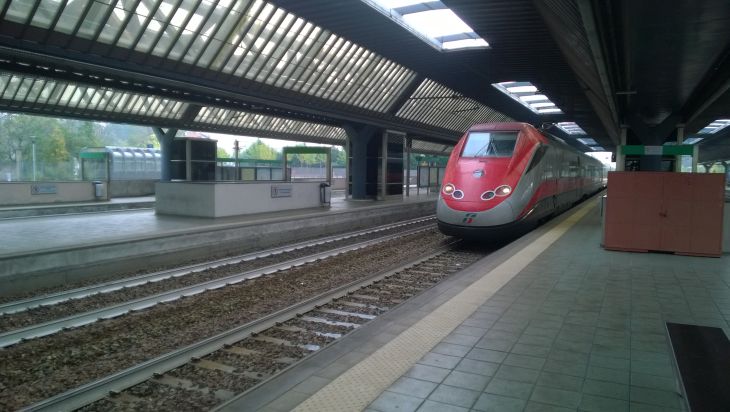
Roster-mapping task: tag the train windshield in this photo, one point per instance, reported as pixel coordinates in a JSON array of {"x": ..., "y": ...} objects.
[{"x": 489, "y": 144}]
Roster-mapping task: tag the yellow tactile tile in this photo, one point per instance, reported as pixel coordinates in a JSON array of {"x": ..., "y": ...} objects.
[{"x": 360, "y": 385}]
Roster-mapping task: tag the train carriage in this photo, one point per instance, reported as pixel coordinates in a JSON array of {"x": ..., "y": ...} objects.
[{"x": 505, "y": 177}]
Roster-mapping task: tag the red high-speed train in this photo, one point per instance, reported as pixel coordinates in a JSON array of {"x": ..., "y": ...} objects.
[{"x": 503, "y": 177}]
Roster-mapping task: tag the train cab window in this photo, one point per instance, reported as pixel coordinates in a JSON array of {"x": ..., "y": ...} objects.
[{"x": 490, "y": 144}]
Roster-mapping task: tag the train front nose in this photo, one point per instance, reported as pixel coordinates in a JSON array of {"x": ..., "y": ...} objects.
[{"x": 474, "y": 214}]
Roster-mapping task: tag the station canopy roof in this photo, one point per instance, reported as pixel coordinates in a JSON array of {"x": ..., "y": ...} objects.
[
  {"x": 307, "y": 69},
  {"x": 244, "y": 43}
]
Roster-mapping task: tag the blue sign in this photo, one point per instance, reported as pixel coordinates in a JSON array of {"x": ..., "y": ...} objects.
[
  {"x": 43, "y": 189},
  {"x": 281, "y": 190}
]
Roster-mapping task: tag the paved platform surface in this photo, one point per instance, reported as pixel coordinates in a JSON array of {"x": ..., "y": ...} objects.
[
  {"x": 52, "y": 209},
  {"x": 550, "y": 323},
  {"x": 27, "y": 235}
]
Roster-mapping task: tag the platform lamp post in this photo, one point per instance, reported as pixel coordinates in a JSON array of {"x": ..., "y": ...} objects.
[
  {"x": 32, "y": 141},
  {"x": 236, "y": 148}
]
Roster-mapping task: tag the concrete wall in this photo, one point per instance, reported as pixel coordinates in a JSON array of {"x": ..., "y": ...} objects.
[
  {"x": 220, "y": 199},
  {"x": 339, "y": 183},
  {"x": 34, "y": 193},
  {"x": 131, "y": 188}
]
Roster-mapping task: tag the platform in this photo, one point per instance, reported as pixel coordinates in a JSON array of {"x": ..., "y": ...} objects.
[
  {"x": 551, "y": 322},
  {"x": 50, "y": 250},
  {"x": 116, "y": 204}
]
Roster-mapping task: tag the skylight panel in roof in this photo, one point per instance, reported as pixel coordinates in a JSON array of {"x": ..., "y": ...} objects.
[
  {"x": 570, "y": 128},
  {"x": 693, "y": 140},
  {"x": 715, "y": 126},
  {"x": 588, "y": 141},
  {"x": 270, "y": 126},
  {"x": 534, "y": 98},
  {"x": 464, "y": 44},
  {"x": 431, "y": 21},
  {"x": 529, "y": 96}
]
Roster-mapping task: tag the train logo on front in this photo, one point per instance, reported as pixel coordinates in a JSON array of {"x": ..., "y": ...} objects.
[
  {"x": 478, "y": 173},
  {"x": 468, "y": 218}
]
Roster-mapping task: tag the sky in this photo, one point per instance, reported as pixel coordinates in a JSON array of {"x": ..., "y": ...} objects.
[
  {"x": 226, "y": 141},
  {"x": 604, "y": 157}
]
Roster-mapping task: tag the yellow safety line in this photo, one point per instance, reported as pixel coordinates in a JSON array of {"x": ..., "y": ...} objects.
[{"x": 359, "y": 386}]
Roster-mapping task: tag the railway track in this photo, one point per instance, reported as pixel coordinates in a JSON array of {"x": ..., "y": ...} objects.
[
  {"x": 158, "y": 276},
  {"x": 142, "y": 299},
  {"x": 212, "y": 371},
  {"x": 43, "y": 368}
]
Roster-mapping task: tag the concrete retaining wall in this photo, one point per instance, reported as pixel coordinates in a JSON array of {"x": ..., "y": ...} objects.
[
  {"x": 35, "y": 193},
  {"x": 131, "y": 188},
  {"x": 221, "y": 199}
]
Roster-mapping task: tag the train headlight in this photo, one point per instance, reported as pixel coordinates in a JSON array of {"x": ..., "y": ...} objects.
[
  {"x": 488, "y": 195},
  {"x": 458, "y": 194},
  {"x": 449, "y": 189},
  {"x": 503, "y": 190}
]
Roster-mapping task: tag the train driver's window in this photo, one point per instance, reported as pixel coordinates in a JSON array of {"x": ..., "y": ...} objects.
[{"x": 490, "y": 144}]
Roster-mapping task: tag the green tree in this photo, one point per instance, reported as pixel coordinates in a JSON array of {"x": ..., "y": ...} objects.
[
  {"x": 19, "y": 133},
  {"x": 222, "y": 154},
  {"x": 125, "y": 135},
  {"x": 339, "y": 157},
  {"x": 80, "y": 134},
  {"x": 55, "y": 163},
  {"x": 260, "y": 150}
]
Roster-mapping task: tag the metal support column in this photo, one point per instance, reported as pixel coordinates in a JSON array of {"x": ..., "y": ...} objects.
[
  {"x": 407, "y": 142},
  {"x": 680, "y": 140},
  {"x": 383, "y": 172},
  {"x": 347, "y": 166},
  {"x": 165, "y": 139},
  {"x": 620, "y": 157}
]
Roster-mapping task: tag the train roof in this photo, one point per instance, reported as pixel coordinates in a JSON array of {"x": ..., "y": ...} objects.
[
  {"x": 106, "y": 149},
  {"x": 520, "y": 126},
  {"x": 500, "y": 126}
]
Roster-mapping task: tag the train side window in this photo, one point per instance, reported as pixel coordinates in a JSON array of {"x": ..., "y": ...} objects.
[{"x": 539, "y": 154}]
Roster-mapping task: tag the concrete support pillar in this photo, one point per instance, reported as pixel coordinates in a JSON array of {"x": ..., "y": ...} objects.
[
  {"x": 407, "y": 151},
  {"x": 620, "y": 157},
  {"x": 680, "y": 140},
  {"x": 165, "y": 139},
  {"x": 650, "y": 163},
  {"x": 358, "y": 149},
  {"x": 18, "y": 164},
  {"x": 364, "y": 142}
]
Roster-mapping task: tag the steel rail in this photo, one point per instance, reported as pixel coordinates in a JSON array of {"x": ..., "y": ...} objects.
[
  {"x": 107, "y": 287},
  {"x": 93, "y": 391},
  {"x": 54, "y": 326}
]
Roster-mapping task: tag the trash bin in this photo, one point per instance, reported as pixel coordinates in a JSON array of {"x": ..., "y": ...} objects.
[
  {"x": 325, "y": 193},
  {"x": 99, "y": 190}
]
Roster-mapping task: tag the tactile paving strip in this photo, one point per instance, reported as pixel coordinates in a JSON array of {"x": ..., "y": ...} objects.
[{"x": 360, "y": 385}]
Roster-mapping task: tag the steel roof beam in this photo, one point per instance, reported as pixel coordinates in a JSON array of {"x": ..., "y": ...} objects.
[{"x": 201, "y": 93}]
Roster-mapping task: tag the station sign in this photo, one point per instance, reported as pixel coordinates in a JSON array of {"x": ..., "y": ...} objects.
[
  {"x": 668, "y": 150},
  {"x": 43, "y": 189},
  {"x": 281, "y": 191}
]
